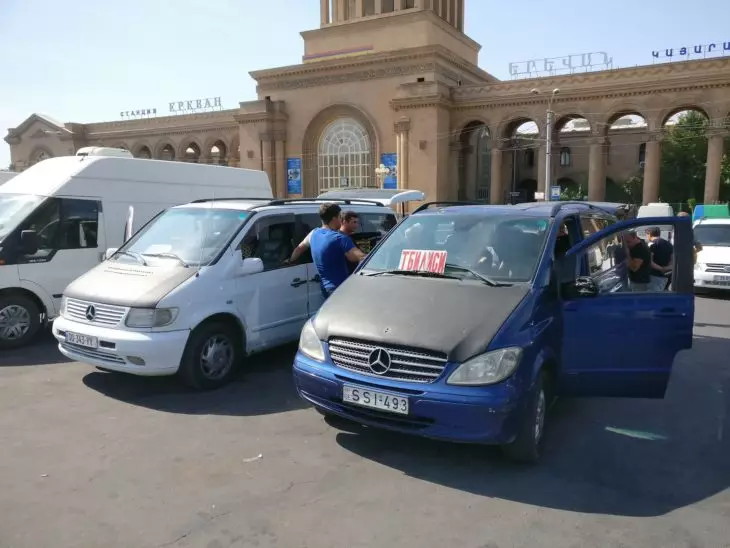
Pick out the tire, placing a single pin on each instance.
(527, 446)
(211, 356)
(20, 320)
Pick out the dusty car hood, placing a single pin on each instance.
(128, 284)
(450, 316)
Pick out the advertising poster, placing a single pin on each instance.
(390, 160)
(294, 175)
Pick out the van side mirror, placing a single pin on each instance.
(109, 252)
(29, 242)
(250, 265)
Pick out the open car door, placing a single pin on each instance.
(618, 340)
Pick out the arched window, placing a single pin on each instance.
(564, 157)
(642, 153)
(345, 156)
(42, 155)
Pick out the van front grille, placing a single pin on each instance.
(93, 313)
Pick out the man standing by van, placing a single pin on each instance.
(661, 258)
(639, 262)
(331, 250)
(350, 224)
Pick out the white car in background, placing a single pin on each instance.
(712, 269)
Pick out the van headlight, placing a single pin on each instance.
(309, 343)
(150, 317)
(488, 368)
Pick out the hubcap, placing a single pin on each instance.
(216, 358)
(540, 416)
(14, 322)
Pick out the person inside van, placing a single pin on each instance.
(332, 249)
(350, 225)
(639, 262)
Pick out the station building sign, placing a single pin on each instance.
(195, 105)
(693, 52)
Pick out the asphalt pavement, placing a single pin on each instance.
(92, 459)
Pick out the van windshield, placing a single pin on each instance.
(14, 208)
(713, 235)
(505, 248)
(190, 235)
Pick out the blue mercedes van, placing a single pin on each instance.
(466, 321)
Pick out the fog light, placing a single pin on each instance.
(135, 360)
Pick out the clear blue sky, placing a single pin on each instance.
(87, 60)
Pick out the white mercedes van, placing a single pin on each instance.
(200, 287)
(58, 217)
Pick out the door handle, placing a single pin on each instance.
(669, 313)
(316, 279)
(296, 282)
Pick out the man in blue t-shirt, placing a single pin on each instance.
(331, 250)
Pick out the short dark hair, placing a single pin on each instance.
(654, 231)
(329, 211)
(348, 216)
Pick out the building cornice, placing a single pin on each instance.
(364, 67)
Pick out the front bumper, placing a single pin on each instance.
(483, 415)
(712, 280)
(151, 353)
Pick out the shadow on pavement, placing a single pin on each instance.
(43, 350)
(264, 386)
(595, 459)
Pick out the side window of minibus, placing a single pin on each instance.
(306, 222)
(270, 241)
(80, 223)
(45, 221)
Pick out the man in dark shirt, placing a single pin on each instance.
(639, 262)
(661, 259)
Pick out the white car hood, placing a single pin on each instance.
(714, 255)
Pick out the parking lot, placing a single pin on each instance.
(94, 459)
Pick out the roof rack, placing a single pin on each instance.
(230, 199)
(557, 207)
(346, 201)
(428, 205)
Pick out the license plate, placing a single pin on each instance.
(722, 278)
(81, 340)
(365, 397)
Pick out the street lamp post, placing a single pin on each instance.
(548, 141)
(381, 172)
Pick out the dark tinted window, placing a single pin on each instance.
(270, 240)
(46, 221)
(718, 235)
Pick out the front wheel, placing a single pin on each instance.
(527, 446)
(211, 356)
(20, 320)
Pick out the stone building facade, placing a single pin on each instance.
(400, 78)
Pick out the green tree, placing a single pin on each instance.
(684, 157)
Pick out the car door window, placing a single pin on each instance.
(306, 222)
(271, 240)
(45, 221)
(80, 224)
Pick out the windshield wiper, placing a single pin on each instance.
(168, 256)
(134, 255)
(487, 280)
(419, 273)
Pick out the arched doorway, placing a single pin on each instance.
(475, 162)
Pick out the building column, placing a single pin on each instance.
(455, 152)
(713, 170)
(281, 174)
(652, 164)
(378, 7)
(421, 4)
(336, 12)
(324, 12)
(402, 128)
(358, 9)
(496, 191)
(267, 159)
(597, 170)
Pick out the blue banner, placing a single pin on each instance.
(390, 160)
(294, 175)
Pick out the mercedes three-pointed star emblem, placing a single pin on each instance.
(379, 361)
(90, 312)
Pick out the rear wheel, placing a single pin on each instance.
(527, 446)
(20, 320)
(211, 356)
